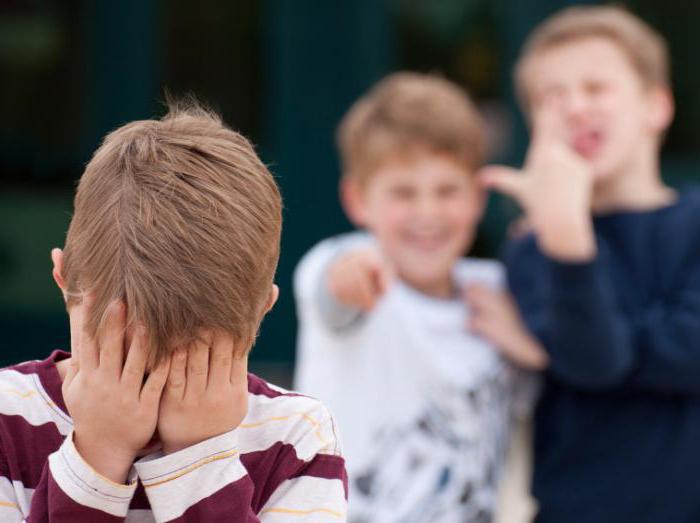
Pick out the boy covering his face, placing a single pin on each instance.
(167, 273)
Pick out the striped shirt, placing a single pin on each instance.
(282, 463)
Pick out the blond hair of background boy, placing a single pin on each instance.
(167, 273)
(424, 403)
(610, 280)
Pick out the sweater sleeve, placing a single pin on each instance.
(69, 491)
(667, 335)
(589, 341)
(594, 344)
(209, 482)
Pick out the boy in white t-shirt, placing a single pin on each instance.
(423, 399)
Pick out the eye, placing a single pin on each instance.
(594, 88)
(447, 191)
(401, 192)
(550, 94)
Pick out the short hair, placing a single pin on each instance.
(179, 218)
(645, 48)
(406, 110)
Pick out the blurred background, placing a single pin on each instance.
(280, 71)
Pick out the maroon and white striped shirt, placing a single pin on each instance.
(282, 464)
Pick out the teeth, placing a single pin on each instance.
(426, 241)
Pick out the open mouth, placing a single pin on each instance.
(587, 143)
(426, 242)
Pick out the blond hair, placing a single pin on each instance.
(644, 47)
(406, 110)
(179, 218)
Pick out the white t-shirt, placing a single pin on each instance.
(423, 405)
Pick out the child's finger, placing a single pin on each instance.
(506, 180)
(220, 359)
(155, 383)
(364, 289)
(482, 325)
(136, 360)
(489, 298)
(547, 125)
(197, 366)
(177, 375)
(383, 274)
(111, 339)
(88, 353)
(477, 324)
(380, 279)
(479, 296)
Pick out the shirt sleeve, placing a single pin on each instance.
(314, 487)
(594, 344)
(333, 314)
(69, 491)
(11, 509)
(209, 482)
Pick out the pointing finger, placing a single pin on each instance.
(506, 180)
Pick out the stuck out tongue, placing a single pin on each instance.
(587, 144)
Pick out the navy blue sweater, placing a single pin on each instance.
(617, 429)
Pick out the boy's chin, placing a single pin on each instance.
(602, 174)
(604, 169)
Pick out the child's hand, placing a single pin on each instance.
(495, 317)
(114, 412)
(554, 188)
(206, 394)
(359, 278)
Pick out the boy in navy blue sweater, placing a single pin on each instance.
(609, 279)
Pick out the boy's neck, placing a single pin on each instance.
(638, 187)
(443, 289)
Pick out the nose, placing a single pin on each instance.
(427, 207)
(576, 104)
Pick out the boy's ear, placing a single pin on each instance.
(274, 294)
(662, 109)
(57, 259)
(352, 200)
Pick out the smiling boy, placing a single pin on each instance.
(609, 281)
(424, 404)
(167, 274)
